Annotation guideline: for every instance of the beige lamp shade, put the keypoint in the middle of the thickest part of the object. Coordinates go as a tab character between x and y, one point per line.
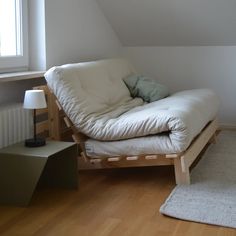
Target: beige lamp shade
34	99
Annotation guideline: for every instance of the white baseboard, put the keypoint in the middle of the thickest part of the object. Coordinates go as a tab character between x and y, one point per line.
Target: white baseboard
224	126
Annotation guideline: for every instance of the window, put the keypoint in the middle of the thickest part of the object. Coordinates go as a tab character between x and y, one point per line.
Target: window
13	35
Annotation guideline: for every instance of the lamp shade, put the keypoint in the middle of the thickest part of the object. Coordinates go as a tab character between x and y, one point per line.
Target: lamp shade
34	99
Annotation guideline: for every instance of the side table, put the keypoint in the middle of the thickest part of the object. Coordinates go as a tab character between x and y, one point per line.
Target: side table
21	168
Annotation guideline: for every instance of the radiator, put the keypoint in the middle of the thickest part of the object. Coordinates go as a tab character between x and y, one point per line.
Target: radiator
16	124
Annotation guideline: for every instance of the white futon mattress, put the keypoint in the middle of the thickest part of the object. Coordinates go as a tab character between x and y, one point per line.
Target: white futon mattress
184	113
99	104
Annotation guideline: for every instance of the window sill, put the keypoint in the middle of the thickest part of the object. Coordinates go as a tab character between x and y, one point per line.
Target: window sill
17	76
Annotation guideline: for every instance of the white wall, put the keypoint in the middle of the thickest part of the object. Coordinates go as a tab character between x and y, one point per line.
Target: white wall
12	92
76	30
68	31
37	47
192	67
172	22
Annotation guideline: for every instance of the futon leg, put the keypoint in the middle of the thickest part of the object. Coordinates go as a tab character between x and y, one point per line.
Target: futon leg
181	177
213	139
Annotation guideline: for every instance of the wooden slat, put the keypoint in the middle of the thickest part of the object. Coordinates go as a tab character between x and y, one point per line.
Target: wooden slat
75	138
41	111
58	105
42	87
42	126
54	118
95	160
100	163
175	155
151	157
132	158
68	123
113	159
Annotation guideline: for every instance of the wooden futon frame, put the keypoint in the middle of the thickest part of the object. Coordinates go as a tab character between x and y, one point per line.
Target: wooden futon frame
53	122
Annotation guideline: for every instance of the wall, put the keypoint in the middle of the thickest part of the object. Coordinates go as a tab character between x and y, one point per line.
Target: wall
68	31
192	67
11	92
37	47
172	22
76	30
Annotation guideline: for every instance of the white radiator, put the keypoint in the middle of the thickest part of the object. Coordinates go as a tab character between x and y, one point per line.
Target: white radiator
16	124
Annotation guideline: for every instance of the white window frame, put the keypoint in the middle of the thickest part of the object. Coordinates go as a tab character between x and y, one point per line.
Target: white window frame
21	62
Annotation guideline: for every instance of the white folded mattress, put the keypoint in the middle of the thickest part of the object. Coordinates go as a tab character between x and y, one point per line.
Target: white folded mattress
196	108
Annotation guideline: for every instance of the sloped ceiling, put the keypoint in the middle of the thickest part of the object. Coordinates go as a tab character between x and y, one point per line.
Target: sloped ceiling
172	22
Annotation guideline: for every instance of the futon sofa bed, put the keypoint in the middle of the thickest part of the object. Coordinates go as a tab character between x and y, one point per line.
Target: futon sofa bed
115	129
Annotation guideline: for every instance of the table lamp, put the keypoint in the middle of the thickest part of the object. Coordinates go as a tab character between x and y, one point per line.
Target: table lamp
34	99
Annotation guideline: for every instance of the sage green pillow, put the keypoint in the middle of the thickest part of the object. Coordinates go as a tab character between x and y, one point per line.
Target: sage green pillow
149	90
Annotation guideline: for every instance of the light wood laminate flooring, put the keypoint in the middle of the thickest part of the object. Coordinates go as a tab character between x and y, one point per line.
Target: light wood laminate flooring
108	202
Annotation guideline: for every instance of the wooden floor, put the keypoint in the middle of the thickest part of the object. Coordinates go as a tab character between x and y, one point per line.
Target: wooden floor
108	202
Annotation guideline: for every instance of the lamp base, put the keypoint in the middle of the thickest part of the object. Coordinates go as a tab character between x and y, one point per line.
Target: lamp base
38	142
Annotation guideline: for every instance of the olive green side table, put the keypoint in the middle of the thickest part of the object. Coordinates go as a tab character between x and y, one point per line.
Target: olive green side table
21	168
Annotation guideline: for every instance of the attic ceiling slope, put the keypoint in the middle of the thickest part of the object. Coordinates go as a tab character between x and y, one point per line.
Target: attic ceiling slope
172	22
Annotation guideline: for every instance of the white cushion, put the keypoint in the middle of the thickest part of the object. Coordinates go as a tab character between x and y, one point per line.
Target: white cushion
90	89
98	84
